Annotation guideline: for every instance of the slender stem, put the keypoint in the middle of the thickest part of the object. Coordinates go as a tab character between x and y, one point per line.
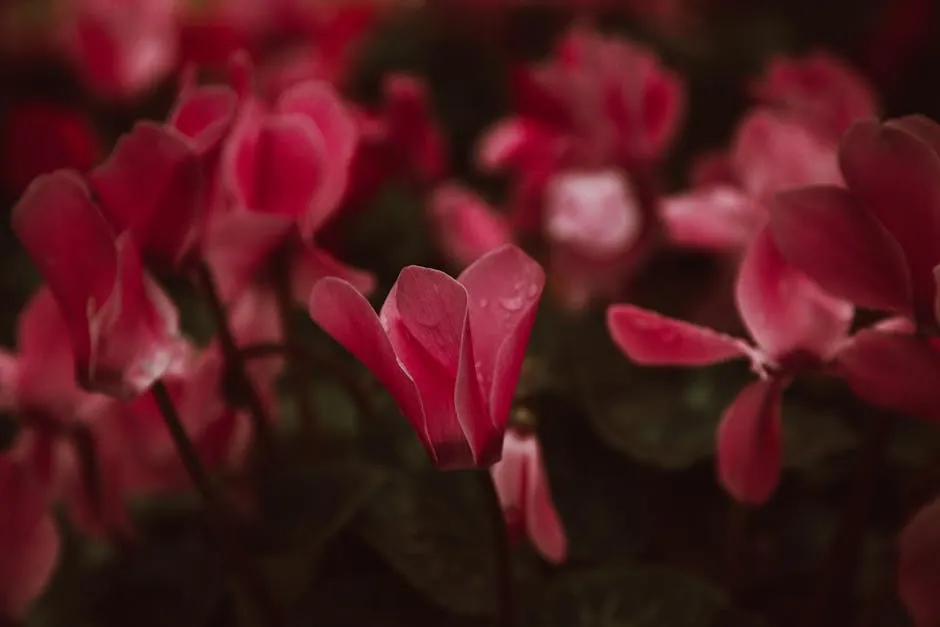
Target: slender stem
220	515
184	447
502	554
296	364
235	363
839	578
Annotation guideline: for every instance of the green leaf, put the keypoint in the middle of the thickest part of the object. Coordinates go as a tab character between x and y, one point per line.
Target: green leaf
433	529
640	596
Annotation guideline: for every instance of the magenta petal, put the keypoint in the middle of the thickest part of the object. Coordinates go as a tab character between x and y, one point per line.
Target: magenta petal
348	318
919	566
719	217
9	373
749	443
786	312
204	115
466	227
323	107
894	371
651	339
312	263
153	186
544	527
506	143
919	126
825	233
897	177
504	288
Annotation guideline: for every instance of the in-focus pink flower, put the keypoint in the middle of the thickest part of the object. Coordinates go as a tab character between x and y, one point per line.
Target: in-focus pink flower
39	138
123	328
822	92
795	326
465	225
522	485
122	47
29	540
449	351
877	242
919	566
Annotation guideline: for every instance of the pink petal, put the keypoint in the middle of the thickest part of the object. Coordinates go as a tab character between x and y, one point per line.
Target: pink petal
346	315
825	233
29	540
714	218
772	153
9	374
897	177
651	339
313	263
919	126
466	227
322	106
749	443
786	313
919	566
412	129
508	142
894	371
542	522
205	115
504	288
426	319
713	168
153	186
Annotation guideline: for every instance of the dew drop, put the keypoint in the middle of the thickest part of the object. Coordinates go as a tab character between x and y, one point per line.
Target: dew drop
484	303
532	290
512	303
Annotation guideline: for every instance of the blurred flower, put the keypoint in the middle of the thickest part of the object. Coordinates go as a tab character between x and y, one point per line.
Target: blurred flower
919	566
466	227
449	351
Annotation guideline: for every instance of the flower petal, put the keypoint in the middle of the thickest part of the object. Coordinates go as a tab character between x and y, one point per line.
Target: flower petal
153	186
541	517
894	371
466	226
313	263
749	443
785	311
919	565
504	288
824	233
897	177
651	339
718	217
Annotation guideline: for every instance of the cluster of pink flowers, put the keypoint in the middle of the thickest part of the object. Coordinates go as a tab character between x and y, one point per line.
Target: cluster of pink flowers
820	208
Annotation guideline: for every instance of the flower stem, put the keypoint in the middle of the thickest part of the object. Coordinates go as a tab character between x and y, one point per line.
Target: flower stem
296	363
840	574
220	515
235	363
502	554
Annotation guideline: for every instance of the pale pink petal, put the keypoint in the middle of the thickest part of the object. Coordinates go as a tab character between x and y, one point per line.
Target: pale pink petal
786	313
897	177
466	227
651	339
718	217
749	443
894	371
504	288
824	232
919	566
507	142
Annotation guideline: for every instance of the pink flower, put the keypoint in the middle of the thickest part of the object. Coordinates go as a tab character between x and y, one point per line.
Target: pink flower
29	540
820	90
39	138
919	566
449	351
795	327
876	243
466	226
122	47
522	485
123	328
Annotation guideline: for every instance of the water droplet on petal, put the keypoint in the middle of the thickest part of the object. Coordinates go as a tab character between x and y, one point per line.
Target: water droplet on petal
484	303
512	303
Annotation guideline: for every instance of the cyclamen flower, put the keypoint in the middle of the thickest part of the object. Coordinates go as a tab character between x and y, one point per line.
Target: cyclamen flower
124	330
795	326
465	225
448	351
876	243
522	485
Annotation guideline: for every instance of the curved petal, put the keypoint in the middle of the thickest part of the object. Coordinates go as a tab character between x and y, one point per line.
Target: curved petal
504	288
313	263
651	339
543	525
786	312
894	371
466	227
153	184
749	443
204	115
506	143
347	317
718	217
824	233
919	566
919	126
897	177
